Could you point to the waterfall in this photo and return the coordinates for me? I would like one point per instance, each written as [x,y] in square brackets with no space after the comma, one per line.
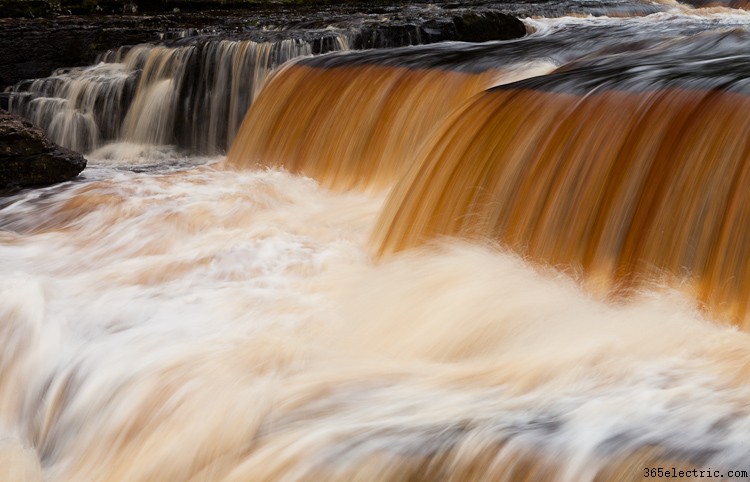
[357,126]
[78,108]
[631,174]
[599,165]
[523,260]
[158,95]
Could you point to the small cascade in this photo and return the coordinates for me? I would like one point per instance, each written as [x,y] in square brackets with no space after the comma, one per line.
[78,108]
[159,95]
[228,77]
[150,119]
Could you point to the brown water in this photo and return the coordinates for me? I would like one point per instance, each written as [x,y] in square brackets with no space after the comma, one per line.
[626,165]
[166,318]
[356,127]
[627,186]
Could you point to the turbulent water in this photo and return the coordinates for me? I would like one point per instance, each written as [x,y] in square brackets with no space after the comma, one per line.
[194,96]
[325,305]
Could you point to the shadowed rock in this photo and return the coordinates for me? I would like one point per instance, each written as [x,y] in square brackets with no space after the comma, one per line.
[28,158]
[743,4]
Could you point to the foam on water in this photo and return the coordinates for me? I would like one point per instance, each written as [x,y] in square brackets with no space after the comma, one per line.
[162,319]
[209,325]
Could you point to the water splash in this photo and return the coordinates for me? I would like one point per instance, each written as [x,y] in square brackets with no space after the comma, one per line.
[231,325]
[628,166]
[170,323]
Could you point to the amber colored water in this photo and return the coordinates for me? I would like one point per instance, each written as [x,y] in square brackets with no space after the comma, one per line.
[512,261]
[629,187]
[349,127]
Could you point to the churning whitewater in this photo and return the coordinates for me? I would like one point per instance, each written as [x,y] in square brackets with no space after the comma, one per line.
[171,317]
[210,325]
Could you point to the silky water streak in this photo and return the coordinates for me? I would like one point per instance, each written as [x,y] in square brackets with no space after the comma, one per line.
[629,177]
[192,96]
[350,122]
[297,358]
[163,323]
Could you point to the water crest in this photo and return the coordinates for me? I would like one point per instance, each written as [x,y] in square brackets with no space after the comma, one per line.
[170,319]
[157,95]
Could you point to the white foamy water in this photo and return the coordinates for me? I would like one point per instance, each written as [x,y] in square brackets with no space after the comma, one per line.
[209,325]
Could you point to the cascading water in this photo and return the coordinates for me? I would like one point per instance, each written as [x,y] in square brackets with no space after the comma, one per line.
[190,96]
[653,159]
[80,107]
[232,75]
[183,321]
[194,92]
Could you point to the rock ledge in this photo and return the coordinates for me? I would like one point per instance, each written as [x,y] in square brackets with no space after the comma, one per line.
[28,158]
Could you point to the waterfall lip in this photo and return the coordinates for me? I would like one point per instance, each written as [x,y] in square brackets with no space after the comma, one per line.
[149,93]
[561,41]
[166,321]
[223,60]
[705,61]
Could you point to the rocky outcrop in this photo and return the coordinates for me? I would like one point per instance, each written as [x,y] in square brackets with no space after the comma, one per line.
[37,8]
[743,4]
[463,25]
[33,48]
[28,158]
[484,26]
[25,8]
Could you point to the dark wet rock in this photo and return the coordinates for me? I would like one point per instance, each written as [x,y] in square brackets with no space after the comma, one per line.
[28,158]
[34,48]
[522,8]
[35,8]
[412,27]
[743,4]
[486,26]
[25,8]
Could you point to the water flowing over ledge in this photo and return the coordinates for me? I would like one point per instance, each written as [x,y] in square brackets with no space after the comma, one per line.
[598,165]
[296,357]
[157,95]
[174,320]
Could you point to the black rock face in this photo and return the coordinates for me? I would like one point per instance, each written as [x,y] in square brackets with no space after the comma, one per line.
[25,8]
[464,25]
[486,26]
[28,158]
[33,48]
[742,4]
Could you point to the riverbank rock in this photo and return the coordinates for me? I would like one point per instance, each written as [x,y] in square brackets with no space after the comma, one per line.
[25,8]
[34,48]
[28,158]
[486,26]
[741,4]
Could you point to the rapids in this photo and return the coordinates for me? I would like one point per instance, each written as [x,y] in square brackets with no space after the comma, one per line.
[175,317]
